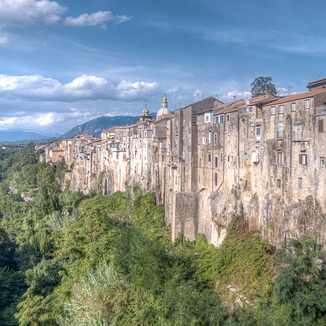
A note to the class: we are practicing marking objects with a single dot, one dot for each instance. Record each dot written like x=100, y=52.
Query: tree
x=262, y=85
x=299, y=295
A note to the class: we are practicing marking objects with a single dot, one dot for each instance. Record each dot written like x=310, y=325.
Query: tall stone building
x=262, y=157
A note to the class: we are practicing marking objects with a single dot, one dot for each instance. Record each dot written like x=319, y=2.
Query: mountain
x=18, y=135
x=96, y=126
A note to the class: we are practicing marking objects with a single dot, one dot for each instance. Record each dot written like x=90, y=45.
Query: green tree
x=299, y=295
x=262, y=85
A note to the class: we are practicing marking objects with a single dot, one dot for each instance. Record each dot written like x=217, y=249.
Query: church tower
x=145, y=116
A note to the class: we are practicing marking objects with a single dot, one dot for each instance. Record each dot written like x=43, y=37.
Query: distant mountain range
x=16, y=135
x=94, y=127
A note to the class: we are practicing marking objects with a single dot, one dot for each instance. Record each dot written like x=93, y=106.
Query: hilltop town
x=262, y=157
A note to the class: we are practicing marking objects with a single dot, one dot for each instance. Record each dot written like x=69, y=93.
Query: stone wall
x=262, y=159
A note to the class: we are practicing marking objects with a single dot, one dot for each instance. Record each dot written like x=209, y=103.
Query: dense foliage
x=69, y=259
x=262, y=85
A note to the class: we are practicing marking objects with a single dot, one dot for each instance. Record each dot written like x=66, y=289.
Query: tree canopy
x=262, y=85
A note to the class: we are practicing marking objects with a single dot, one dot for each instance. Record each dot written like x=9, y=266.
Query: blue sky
x=65, y=62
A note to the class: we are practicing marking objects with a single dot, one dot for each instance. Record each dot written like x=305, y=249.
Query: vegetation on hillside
x=69, y=259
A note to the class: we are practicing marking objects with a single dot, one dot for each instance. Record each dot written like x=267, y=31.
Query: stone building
x=262, y=157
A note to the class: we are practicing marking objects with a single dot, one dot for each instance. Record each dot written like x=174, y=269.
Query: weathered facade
x=263, y=158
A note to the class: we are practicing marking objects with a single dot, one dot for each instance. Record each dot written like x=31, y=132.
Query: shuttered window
x=320, y=125
x=303, y=159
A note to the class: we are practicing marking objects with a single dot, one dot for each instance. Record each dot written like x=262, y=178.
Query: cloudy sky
x=66, y=62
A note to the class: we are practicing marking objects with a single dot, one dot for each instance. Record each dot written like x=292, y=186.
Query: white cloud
x=4, y=38
x=29, y=12
x=138, y=90
x=230, y=96
x=119, y=113
x=85, y=87
x=45, y=119
x=97, y=18
x=198, y=94
x=24, y=13
x=7, y=121
x=173, y=90
x=282, y=91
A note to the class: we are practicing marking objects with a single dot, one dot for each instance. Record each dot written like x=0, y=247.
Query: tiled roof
x=230, y=107
x=316, y=82
x=110, y=129
x=300, y=96
x=239, y=104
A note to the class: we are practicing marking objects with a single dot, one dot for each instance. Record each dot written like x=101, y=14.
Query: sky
x=63, y=63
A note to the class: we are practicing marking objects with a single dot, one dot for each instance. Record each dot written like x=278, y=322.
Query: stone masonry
x=263, y=157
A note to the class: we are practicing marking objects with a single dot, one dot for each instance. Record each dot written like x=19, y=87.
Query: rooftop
x=300, y=96
x=316, y=83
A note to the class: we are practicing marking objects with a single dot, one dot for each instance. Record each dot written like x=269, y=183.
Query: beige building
x=263, y=157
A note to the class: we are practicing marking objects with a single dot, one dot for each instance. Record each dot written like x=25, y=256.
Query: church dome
x=161, y=112
x=145, y=111
x=164, y=109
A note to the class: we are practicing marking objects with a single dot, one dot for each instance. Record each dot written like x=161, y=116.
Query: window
x=228, y=138
x=258, y=130
x=281, y=109
x=221, y=157
x=189, y=145
x=176, y=124
x=272, y=110
x=227, y=117
x=140, y=133
x=207, y=118
x=320, y=125
x=303, y=159
x=189, y=127
x=184, y=123
x=200, y=162
x=322, y=161
x=278, y=183
x=215, y=179
x=307, y=104
x=280, y=129
x=216, y=161
x=228, y=158
x=209, y=158
x=216, y=119
x=300, y=183
x=279, y=158
x=145, y=133
x=221, y=118
x=298, y=131
x=215, y=139
x=293, y=107
x=204, y=140
x=209, y=137
x=246, y=156
x=176, y=142
x=140, y=144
